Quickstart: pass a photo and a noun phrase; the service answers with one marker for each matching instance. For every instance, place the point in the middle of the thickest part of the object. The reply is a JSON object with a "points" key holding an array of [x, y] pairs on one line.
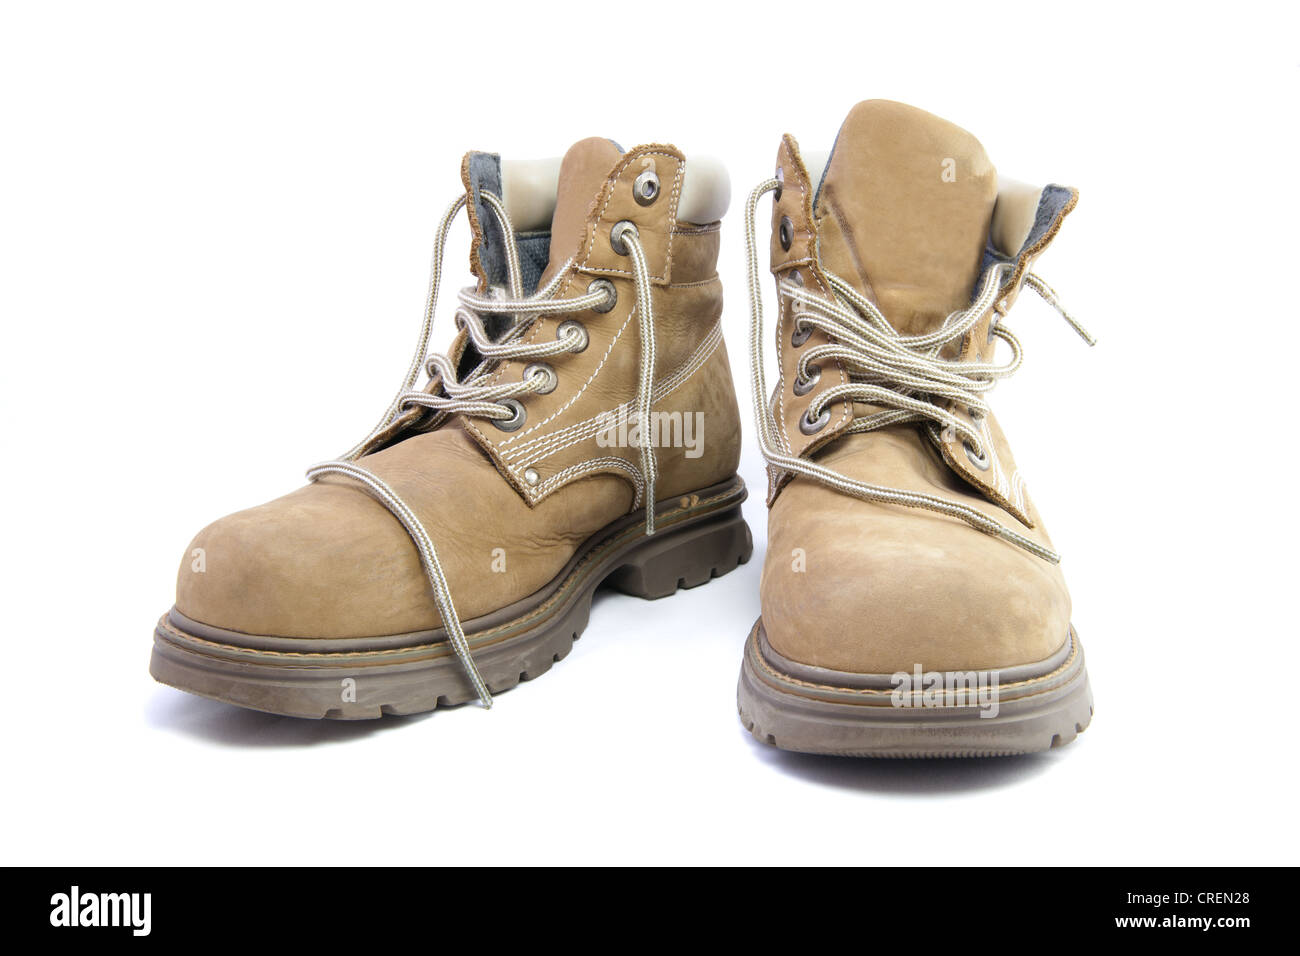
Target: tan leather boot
{"points": [[454, 551], [912, 604]]}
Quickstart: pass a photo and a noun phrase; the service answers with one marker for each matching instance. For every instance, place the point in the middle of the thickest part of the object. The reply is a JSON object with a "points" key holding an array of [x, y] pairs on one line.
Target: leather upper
{"points": [[909, 212], [506, 510]]}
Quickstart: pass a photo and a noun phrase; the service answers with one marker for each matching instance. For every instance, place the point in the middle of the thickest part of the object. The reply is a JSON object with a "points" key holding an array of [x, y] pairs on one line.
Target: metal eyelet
{"points": [[531, 476], [546, 372], [604, 285], [786, 233], [802, 386], [566, 329], [802, 333], [622, 228], [810, 426], [514, 421], [981, 463], [780, 180], [646, 187]]}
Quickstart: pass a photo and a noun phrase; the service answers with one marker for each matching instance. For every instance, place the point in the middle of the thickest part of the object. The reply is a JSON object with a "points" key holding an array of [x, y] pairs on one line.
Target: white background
{"points": [[214, 234]]}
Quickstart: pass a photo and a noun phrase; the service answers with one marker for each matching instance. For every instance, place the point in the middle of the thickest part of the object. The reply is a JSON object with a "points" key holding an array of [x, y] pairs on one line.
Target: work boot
{"points": [[911, 601], [582, 428]]}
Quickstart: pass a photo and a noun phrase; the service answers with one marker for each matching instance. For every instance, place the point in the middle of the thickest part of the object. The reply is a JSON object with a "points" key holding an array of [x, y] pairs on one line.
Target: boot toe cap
{"points": [[323, 562], [890, 590]]}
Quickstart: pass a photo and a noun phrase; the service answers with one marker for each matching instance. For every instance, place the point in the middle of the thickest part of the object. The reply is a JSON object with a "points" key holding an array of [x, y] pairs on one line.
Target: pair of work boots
{"points": [[583, 429]]}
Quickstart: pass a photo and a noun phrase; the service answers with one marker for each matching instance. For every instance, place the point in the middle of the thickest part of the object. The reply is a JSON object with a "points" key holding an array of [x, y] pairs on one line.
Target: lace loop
{"points": [[905, 376]]}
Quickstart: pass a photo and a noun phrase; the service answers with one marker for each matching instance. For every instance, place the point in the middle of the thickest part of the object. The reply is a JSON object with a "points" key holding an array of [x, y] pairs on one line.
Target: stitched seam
{"points": [[781, 321], [846, 406], [590, 245], [588, 431], [603, 359], [997, 494], [697, 284], [592, 555], [672, 214], [786, 678], [665, 387], [545, 445], [672, 211], [597, 464]]}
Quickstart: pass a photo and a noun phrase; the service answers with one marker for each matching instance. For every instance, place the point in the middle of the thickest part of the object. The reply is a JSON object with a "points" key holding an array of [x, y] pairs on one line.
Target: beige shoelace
{"points": [[902, 374], [498, 402]]}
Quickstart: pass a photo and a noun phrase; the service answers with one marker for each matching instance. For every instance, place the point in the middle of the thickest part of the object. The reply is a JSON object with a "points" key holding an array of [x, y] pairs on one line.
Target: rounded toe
{"points": [[886, 591], [322, 562]]}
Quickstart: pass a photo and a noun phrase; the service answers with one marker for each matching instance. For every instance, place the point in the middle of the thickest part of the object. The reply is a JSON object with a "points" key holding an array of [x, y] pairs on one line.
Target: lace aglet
{"points": [[1048, 295], [1033, 547], [480, 687]]}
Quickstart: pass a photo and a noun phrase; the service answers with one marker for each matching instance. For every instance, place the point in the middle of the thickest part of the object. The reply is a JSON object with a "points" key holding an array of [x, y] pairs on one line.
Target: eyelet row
{"points": [[569, 328], [802, 385], [646, 191]]}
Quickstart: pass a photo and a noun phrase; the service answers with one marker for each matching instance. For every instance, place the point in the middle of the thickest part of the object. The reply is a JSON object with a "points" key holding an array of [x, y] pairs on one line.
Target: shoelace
{"points": [[498, 402], [903, 374]]}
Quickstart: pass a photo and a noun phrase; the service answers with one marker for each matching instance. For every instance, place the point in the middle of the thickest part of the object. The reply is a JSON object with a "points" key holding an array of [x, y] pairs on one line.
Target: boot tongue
{"points": [[903, 212], [583, 172]]}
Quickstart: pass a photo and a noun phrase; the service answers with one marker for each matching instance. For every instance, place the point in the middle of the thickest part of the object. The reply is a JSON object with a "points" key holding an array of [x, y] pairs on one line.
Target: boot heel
{"points": [[684, 558]]}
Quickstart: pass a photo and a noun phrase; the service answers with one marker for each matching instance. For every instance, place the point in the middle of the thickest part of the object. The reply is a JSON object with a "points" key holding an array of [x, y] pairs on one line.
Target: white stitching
{"points": [[665, 388], [588, 466], [546, 445], [672, 213], [550, 418]]}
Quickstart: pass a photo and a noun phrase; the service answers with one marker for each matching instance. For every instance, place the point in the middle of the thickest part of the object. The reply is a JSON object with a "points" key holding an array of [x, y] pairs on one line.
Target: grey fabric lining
{"points": [[534, 247], [534, 256], [485, 176], [1050, 204], [991, 258], [1054, 199]]}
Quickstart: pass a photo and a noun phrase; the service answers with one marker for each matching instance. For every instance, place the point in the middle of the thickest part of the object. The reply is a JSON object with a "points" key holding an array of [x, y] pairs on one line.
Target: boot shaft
{"points": [[908, 211], [566, 217]]}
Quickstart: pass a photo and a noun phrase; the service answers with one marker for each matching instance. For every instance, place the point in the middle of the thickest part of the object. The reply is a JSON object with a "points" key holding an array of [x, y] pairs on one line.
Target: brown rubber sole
{"points": [[698, 537], [820, 711]]}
